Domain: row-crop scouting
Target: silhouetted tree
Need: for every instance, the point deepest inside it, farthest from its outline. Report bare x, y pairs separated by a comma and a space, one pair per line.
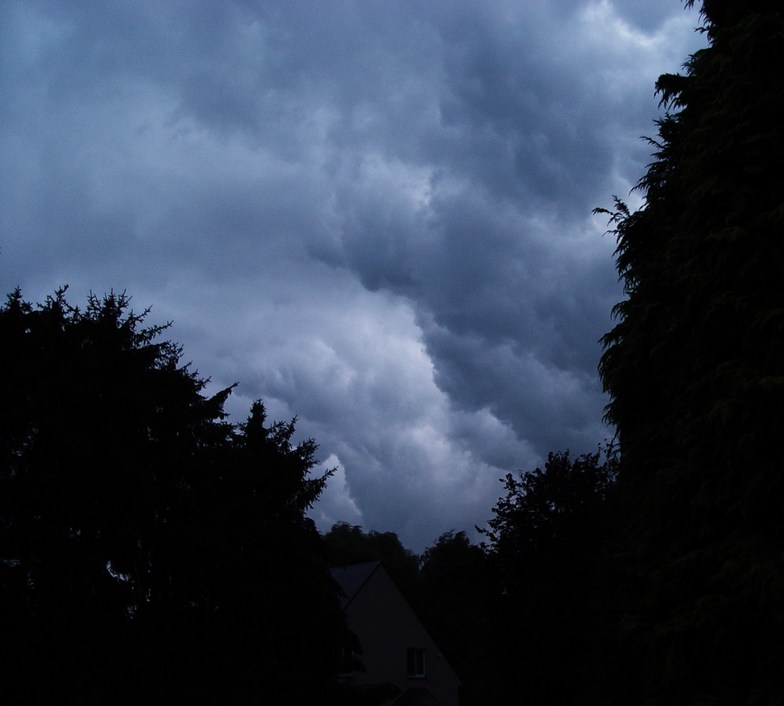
149, 550
547, 539
459, 594
694, 369
350, 544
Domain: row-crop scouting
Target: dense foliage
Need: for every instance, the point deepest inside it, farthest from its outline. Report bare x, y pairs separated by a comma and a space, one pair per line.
548, 539
149, 550
349, 544
695, 370
459, 596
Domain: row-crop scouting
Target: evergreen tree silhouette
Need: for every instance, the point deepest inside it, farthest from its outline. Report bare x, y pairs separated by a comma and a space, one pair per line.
150, 551
695, 371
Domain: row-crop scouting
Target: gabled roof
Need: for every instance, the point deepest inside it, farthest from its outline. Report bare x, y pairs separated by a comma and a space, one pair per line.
352, 578
386, 627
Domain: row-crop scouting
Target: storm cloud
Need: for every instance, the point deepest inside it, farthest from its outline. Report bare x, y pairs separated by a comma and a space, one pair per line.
374, 216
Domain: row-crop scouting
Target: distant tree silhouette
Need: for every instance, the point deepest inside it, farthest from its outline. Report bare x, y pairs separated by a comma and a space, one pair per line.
695, 371
545, 511
547, 538
458, 598
149, 550
349, 544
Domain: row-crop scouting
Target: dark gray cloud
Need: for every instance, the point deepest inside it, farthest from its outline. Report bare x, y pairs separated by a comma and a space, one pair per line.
376, 216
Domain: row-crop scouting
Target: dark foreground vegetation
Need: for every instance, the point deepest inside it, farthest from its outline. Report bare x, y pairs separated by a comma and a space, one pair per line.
150, 551
695, 371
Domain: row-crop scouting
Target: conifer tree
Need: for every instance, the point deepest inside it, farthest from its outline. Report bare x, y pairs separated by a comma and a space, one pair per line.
150, 551
695, 372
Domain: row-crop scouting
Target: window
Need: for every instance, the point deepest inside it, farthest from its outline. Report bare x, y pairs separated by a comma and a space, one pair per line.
415, 662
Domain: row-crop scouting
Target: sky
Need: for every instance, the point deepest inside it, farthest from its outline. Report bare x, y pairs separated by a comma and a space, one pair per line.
375, 216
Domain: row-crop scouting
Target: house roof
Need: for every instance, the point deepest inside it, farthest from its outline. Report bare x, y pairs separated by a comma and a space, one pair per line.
352, 578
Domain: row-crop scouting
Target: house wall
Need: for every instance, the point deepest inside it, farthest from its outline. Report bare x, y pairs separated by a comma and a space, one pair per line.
386, 626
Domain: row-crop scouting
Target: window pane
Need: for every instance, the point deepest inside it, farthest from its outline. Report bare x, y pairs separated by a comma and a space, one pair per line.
415, 662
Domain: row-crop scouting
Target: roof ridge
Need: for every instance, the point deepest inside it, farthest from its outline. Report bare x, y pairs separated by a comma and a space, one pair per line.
355, 590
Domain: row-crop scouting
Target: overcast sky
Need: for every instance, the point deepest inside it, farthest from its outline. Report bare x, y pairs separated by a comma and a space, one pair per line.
374, 215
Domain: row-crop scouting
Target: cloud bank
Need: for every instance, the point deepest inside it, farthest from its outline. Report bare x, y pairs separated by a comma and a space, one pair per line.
374, 216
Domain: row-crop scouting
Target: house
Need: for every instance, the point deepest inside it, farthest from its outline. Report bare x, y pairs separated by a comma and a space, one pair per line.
396, 648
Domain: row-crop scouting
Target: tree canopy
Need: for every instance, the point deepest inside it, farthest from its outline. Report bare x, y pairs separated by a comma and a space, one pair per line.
149, 549
350, 544
695, 372
547, 540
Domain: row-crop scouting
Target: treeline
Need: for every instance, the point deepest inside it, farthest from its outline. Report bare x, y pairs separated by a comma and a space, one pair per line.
152, 551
